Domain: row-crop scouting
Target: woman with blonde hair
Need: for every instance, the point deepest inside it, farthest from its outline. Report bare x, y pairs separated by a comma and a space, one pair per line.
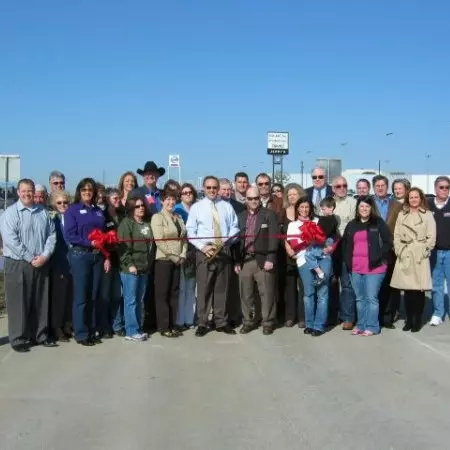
414, 238
127, 183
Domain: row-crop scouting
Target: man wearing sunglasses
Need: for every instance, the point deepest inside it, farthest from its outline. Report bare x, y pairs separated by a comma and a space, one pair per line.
343, 299
440, 207
320, 188
255, 261
57, 181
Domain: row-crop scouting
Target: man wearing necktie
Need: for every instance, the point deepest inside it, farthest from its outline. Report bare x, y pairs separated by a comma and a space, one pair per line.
320, 188
214, 219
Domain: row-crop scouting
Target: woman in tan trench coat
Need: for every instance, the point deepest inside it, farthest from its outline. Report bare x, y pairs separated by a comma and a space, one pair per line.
414, 238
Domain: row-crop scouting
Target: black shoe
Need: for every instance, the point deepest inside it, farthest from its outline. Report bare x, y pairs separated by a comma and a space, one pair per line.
178, 331
48, 343
226, 329
201, 331
95, 340
389, 326
169, 333
121, 333
267, 331
86, 343
245, 329
308, 331
21, 348
415, 329
107, 335
407, 327
317, 333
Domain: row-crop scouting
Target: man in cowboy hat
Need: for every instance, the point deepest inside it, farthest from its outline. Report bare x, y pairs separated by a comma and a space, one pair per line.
150, 173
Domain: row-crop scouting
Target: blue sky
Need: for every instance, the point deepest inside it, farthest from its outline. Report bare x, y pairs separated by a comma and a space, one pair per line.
101, 86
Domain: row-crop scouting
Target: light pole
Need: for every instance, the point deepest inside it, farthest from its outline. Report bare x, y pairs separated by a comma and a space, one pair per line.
385, 161
302, 167
427, 157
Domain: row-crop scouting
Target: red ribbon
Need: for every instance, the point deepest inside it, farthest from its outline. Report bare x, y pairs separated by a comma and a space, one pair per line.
100, 240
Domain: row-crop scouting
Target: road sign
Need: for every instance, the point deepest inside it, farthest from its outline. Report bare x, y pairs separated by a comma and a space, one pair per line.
174, 160
277, 143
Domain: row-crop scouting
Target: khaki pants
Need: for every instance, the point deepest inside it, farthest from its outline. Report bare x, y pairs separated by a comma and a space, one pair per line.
251, 273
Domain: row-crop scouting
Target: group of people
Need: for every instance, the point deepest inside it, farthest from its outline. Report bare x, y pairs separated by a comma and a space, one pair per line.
257, 254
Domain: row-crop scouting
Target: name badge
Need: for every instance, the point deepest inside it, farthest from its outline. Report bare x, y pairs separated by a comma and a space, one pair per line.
150, 199
447, 214
264, 225
83, 211
110, 224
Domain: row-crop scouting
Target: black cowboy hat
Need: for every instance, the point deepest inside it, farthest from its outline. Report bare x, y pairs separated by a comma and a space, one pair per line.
150, 166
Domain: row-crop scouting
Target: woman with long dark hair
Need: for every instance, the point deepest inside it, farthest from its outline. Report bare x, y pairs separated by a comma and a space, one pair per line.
366, 245
86, 262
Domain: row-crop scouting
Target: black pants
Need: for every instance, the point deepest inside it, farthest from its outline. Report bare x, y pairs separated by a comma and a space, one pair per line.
167, 290
414, 305
294, 306
389, 299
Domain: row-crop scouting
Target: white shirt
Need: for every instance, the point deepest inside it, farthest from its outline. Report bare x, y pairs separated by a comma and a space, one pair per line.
294, 229
200, 222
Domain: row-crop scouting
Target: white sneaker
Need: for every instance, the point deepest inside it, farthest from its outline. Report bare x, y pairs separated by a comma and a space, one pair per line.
435, 321
137, 337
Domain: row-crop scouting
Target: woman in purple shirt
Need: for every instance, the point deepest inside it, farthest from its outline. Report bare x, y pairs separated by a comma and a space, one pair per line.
86, 262
366, 245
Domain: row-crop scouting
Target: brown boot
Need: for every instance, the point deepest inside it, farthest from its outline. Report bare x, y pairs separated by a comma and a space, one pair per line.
348, 326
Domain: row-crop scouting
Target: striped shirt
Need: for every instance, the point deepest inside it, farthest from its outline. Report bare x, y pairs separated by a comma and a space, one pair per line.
27, 232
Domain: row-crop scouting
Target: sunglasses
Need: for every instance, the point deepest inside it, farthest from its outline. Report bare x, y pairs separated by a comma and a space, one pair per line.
340, 186
139, 205
211, 188
274, 191
318, 177
187, 193
265, 183
442, 188
58, 183
252, 198
62, 203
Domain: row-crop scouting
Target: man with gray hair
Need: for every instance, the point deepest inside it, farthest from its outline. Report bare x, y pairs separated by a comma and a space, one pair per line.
440, 207
226, 193
57, 181
40, 195
320, 188
29, 239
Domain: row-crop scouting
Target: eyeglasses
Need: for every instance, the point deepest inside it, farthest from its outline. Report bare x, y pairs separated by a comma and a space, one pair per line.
252, 198
211, 188
442, 188
62, 203
264, 183
58, 183
318, 177
139, 205
187, 193
274, 191
340, 186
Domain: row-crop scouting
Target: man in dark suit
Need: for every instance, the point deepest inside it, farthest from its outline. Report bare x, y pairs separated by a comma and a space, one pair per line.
388, 209
150, 174
320, 188
255, 259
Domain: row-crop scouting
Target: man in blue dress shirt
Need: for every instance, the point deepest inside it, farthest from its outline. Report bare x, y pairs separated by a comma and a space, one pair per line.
210, 223
29, 239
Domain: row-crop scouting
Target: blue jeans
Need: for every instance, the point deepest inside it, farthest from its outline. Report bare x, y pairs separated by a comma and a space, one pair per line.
316, 310
111, 314
347, 296
366, 288
186, 300
87, 268
134, 287
441, 273
315, 253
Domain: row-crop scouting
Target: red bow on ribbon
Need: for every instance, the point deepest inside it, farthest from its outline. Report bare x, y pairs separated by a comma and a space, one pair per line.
101, 239
312, 234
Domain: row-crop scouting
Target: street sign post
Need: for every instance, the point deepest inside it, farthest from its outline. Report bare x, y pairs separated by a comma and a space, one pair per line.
277, 146
174, 163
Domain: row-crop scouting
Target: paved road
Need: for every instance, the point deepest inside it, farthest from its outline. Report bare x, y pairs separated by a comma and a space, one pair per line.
287, 391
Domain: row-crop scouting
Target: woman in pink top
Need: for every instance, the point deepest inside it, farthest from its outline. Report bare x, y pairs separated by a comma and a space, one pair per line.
366, 245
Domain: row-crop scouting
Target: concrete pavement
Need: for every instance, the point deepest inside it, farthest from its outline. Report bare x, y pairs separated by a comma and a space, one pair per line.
286, 391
